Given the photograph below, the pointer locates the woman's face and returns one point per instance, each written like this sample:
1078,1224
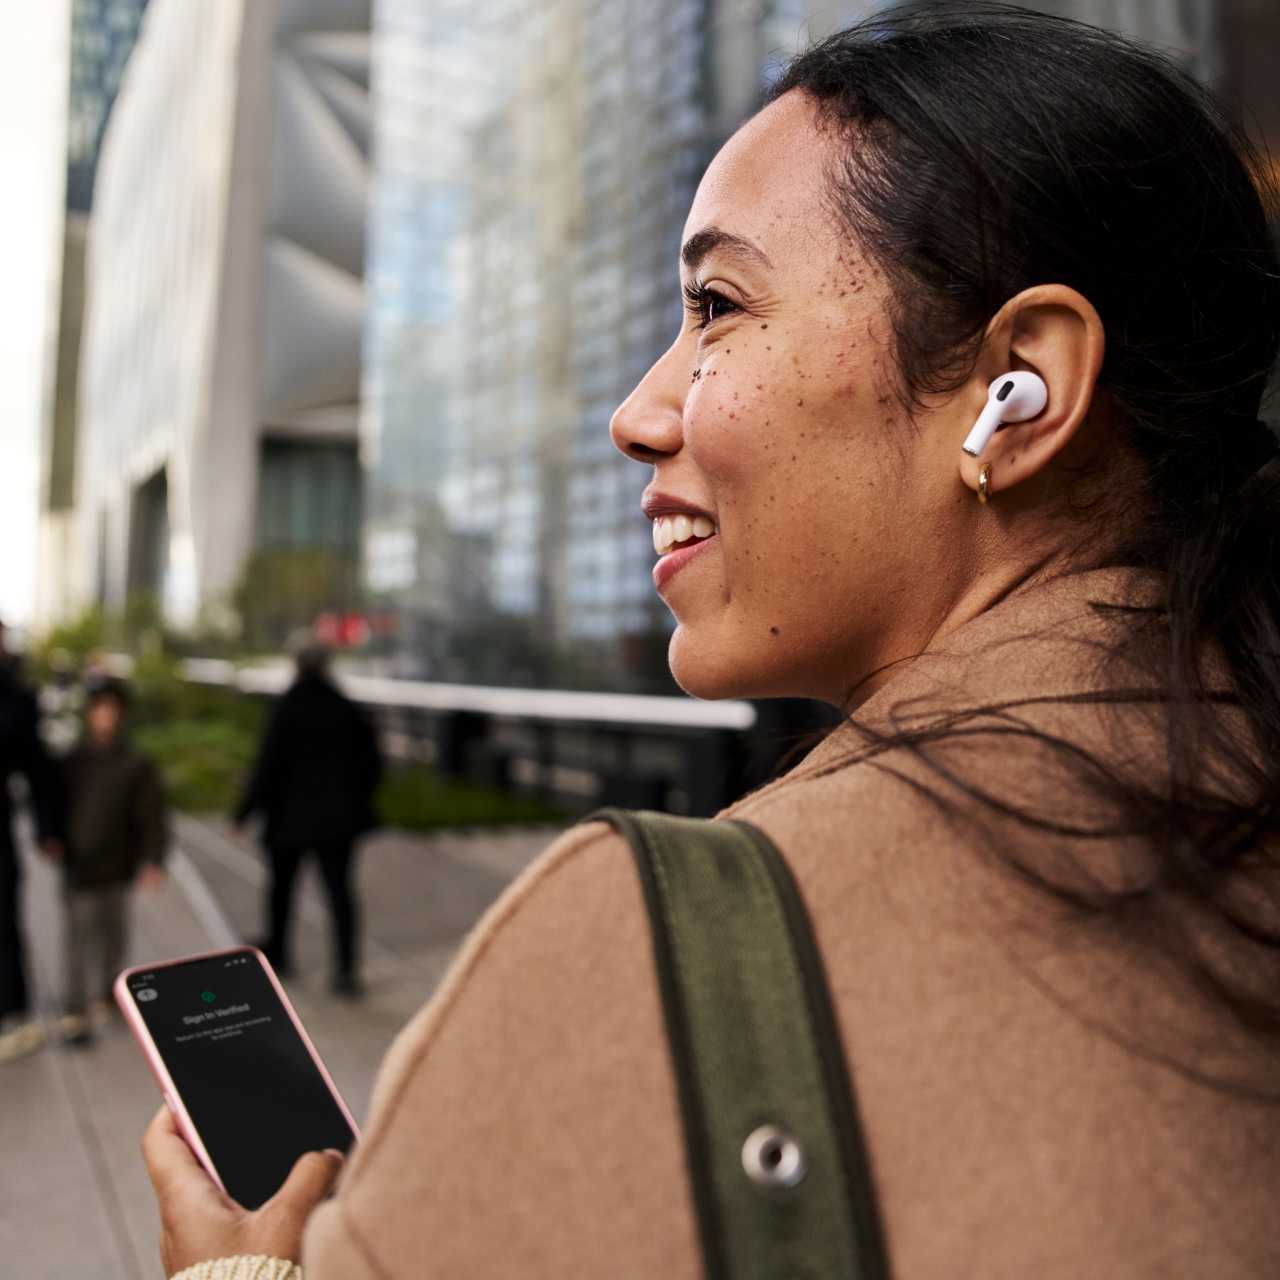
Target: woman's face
772,415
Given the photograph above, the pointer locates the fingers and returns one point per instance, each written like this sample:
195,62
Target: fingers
190,1200
310,1180
171,1164
165,1151
197,1219
276,1229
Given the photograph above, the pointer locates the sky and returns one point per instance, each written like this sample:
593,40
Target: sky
33,104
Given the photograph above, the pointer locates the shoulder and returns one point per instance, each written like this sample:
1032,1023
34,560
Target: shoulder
538,1077
575,906
1005,1049
324,697
570,926
294,708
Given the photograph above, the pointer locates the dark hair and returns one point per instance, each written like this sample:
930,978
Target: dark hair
311,659
989,149
108,689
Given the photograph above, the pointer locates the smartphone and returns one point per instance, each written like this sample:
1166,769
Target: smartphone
245,1084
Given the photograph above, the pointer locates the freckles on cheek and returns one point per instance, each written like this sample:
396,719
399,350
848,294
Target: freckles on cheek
727,410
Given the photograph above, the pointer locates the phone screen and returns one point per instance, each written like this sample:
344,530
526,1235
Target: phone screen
252,1089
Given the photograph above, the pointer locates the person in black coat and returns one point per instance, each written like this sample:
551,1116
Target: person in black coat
20,752
313,782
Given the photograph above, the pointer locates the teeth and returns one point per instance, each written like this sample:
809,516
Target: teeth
668,530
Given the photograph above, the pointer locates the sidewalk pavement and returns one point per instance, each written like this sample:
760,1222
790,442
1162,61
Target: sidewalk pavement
74,1195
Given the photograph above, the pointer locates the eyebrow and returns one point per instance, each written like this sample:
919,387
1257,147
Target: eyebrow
701,243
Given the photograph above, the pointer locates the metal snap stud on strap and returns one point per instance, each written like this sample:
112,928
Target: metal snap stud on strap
772,1157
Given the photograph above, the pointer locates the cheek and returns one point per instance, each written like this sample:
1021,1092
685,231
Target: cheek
777,439
788,432
736,418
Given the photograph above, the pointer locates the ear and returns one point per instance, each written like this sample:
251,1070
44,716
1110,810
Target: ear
1051,330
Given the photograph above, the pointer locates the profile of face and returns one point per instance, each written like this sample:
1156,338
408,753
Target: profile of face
102,719
836,531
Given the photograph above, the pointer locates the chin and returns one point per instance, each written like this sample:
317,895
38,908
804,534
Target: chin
712,672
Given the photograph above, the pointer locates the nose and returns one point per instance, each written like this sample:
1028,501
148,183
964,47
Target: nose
649,424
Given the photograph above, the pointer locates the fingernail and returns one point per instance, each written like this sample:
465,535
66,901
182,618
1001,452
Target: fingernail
333,1151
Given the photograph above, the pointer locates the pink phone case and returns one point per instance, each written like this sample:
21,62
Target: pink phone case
172,1098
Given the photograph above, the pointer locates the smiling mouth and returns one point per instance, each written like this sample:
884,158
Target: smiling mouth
674,533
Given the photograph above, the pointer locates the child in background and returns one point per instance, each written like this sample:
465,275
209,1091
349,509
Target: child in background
116,831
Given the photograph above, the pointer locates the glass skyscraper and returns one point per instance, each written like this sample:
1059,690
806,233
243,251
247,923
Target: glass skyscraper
535,161
103,33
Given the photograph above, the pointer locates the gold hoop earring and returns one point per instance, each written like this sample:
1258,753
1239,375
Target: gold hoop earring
984,483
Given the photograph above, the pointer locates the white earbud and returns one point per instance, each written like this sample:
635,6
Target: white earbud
1012,397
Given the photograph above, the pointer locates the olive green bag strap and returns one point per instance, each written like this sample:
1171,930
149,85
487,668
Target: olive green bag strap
779,1173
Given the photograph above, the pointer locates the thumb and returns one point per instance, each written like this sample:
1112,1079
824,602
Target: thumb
311,1179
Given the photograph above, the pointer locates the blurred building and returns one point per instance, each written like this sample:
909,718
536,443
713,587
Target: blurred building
535,163
102,36
220,373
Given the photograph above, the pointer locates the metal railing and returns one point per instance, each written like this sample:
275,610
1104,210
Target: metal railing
521,704
583,749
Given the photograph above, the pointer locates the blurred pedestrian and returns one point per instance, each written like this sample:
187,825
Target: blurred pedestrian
117,833
313,782
20,752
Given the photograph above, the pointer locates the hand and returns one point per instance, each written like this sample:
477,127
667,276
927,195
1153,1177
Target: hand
198,1221
151,877
52,849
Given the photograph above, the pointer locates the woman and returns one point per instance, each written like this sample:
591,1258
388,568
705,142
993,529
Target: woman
1036,853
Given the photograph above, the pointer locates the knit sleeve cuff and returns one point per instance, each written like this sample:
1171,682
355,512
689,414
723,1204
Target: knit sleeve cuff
257,1267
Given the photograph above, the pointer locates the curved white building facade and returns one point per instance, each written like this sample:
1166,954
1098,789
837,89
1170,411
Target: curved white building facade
224,292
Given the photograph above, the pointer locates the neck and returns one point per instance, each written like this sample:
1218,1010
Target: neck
978,596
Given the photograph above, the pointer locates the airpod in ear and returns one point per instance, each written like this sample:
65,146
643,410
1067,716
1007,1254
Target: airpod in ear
1012,397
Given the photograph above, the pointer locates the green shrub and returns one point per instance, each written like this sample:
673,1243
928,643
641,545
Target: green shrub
204,762
162,696
416,799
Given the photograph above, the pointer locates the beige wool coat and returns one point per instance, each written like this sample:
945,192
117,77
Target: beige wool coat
1022,1076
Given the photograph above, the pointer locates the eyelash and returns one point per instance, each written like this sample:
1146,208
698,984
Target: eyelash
699,300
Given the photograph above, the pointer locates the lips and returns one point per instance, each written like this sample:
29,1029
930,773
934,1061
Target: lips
681,531
673,561
655,505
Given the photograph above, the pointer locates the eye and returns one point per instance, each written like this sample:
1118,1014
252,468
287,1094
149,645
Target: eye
707,305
